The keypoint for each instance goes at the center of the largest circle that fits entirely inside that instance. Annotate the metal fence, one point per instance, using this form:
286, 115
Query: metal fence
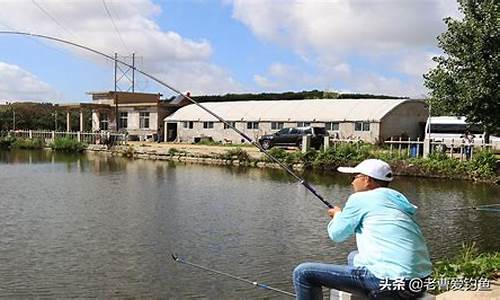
406, 147
105, 138
459, 148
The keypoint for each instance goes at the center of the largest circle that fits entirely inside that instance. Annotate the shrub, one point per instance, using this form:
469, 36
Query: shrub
67, 145
236, 153
208, 142
6, 142
129, 152
172, 151
278, 153
343, 154
28, 144
469, 263
482, 164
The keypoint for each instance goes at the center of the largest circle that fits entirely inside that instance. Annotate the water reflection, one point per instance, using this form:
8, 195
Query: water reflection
100, 226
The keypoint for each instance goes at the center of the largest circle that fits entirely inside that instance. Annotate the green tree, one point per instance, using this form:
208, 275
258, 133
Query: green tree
466, 79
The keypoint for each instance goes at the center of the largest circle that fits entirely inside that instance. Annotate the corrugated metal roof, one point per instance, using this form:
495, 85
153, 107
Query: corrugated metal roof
319, 110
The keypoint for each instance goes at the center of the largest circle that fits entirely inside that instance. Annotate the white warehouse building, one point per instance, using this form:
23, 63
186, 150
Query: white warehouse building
370, 120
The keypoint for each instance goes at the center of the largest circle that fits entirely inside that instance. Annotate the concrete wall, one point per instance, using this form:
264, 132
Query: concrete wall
405, 120
132, 120
219, 134
347, 131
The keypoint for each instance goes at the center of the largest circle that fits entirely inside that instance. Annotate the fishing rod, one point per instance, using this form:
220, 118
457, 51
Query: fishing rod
228, 124
181, 260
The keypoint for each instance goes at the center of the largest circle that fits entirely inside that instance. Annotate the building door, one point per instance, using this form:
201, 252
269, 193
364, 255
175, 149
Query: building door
171, 132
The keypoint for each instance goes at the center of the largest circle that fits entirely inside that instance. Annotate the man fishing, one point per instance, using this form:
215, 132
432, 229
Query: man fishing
392, 257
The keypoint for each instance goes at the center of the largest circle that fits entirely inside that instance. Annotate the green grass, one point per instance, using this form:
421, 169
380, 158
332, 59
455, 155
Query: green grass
235, 153
67, 145
481, 167
469, 263
30, 144
211, 142
6, 142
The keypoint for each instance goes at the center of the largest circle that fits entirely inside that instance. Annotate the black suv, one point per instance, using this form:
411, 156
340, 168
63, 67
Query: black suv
293, 137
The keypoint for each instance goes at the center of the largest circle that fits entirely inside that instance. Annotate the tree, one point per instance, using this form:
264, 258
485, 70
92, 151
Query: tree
466, 79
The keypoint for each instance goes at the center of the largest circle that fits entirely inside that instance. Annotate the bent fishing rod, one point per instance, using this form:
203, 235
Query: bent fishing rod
181, 260
157, 80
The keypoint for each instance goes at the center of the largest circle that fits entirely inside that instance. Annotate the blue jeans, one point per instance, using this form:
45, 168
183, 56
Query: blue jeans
308, 278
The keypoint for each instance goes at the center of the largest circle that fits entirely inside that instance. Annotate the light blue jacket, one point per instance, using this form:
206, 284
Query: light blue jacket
389, 241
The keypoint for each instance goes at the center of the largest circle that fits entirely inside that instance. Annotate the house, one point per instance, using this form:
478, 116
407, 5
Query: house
369, 120
138, 114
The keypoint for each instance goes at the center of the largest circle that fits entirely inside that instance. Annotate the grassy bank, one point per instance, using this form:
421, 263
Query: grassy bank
61, 144
482, 167
468, 264
67, 145
6, 142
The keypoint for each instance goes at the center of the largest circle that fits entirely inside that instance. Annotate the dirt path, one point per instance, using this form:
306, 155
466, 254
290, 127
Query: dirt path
195, 149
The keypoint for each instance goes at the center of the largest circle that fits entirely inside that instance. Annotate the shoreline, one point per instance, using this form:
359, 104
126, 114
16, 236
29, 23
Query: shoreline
218, 155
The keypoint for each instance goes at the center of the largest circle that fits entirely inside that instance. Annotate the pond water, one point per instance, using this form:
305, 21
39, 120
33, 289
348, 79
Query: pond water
97, 226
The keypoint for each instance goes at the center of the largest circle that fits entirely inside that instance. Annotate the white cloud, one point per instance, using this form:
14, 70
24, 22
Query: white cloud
345, 25
17, 84
87, 23
393, 35
415, 63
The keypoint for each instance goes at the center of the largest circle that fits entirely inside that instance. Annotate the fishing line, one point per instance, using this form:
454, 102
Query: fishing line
246, 137
181, 260
487, 207
228, 124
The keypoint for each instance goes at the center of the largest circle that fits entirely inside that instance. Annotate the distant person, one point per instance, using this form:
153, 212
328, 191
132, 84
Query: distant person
469, 143
391, 248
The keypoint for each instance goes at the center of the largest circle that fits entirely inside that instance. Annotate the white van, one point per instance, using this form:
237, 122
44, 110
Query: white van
455, 130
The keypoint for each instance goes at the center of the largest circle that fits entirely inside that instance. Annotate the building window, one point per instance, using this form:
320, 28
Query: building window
303, 124
252, 125
208, 125
123, 121
103, 121
188, 124
144, 120
332, 126
230, 123
362, 126
277, 125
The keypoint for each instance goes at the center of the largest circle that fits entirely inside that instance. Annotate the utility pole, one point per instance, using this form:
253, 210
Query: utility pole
133, 72
13, 119
115, 97
116, 68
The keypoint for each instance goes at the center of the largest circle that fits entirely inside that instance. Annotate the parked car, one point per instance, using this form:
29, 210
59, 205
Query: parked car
287, 137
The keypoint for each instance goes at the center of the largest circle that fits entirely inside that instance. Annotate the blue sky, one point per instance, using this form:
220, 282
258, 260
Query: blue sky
221, 46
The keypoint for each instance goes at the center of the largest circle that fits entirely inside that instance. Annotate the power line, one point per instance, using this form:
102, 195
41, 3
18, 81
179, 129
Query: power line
114, 25
45, 45
52, 18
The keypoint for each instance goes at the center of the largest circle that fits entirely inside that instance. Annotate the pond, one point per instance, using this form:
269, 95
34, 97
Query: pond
97, 226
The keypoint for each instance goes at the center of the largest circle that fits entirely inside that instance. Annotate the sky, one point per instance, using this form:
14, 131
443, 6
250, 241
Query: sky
214, 47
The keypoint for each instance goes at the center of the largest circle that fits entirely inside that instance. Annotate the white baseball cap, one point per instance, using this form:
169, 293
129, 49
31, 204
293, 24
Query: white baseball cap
374, 168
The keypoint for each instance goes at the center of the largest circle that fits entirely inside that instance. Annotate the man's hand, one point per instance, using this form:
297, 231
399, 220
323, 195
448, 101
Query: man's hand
333, 211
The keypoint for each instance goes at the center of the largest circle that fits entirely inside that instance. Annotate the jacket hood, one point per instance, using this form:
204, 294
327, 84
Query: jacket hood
399, 200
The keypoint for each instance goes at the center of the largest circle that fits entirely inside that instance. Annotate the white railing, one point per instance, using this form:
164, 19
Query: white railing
406, 147
459, 148
106, 138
